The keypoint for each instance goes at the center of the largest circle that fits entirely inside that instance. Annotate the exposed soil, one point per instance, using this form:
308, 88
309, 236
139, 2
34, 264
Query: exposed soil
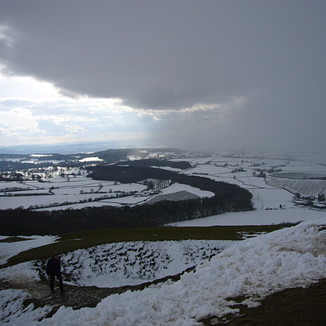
291, 307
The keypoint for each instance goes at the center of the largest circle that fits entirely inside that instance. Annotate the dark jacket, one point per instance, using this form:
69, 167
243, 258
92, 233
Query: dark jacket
53, 266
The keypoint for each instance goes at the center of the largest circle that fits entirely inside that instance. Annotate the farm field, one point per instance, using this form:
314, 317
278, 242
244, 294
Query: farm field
272, 196
69, 188
298, 185
81, 192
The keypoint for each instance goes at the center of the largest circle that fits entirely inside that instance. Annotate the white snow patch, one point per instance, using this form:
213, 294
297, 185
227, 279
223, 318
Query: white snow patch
91, 159
257, 217
41, 155
20, 273
176, 187
13, 312
9, 249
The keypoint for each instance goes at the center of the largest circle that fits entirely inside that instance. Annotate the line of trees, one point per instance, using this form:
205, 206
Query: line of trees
227, 197
155, 162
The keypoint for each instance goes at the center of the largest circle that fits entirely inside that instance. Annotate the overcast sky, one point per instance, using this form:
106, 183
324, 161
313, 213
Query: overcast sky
194, 74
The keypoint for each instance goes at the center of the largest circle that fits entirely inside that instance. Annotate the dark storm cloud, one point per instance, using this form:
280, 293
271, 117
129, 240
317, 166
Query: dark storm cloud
162, 55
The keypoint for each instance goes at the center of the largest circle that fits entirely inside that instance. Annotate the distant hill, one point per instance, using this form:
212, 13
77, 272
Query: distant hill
12, 162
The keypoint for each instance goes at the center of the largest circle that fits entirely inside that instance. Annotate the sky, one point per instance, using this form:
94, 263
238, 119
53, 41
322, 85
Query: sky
246, 74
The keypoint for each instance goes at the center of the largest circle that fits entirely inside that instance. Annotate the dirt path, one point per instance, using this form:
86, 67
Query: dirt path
76, 297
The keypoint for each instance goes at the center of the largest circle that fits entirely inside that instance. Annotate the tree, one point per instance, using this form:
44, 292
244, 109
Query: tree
150, 185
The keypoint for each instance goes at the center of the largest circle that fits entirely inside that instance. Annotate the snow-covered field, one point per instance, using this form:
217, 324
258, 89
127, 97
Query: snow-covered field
75, 190
272, 203
258, 217
253, 268
81, 192
304, 187
59, 191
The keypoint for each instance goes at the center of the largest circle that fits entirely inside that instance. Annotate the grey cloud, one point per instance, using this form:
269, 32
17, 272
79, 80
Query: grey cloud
160, 54
173, 54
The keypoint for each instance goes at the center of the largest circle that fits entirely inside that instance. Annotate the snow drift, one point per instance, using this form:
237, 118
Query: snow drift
130, 263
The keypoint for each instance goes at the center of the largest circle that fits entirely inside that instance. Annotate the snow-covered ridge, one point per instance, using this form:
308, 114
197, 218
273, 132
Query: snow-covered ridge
253, 268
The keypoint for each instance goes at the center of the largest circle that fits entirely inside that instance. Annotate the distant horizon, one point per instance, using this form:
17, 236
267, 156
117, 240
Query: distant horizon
68, 147
93, 147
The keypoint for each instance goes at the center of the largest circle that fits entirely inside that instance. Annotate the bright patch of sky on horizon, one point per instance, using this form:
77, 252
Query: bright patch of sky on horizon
34, 111
197, 75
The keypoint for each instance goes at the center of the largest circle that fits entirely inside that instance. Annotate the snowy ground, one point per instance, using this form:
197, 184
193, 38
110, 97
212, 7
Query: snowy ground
10, 249
253, 268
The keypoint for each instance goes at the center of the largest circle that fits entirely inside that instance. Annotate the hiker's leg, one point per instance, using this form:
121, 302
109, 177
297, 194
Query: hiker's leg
52, 282
59, 276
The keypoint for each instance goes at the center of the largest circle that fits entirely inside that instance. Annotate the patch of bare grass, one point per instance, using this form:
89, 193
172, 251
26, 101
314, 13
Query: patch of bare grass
291, 307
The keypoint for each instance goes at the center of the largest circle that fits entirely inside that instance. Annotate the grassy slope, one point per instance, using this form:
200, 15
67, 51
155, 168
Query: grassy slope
85, 239
296, 307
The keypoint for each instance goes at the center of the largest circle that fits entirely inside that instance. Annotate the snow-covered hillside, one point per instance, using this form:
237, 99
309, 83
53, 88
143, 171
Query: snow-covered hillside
304, 187
253, 268
127, 263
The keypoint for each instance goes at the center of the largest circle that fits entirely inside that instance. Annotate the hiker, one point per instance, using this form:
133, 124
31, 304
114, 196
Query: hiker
53, 269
